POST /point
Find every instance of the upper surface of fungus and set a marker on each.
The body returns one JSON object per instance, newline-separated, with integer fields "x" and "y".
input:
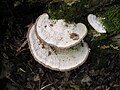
{"x": 58, "y": 33}
{"x": 57, "y": 59}
{"x": 96, "y": 23}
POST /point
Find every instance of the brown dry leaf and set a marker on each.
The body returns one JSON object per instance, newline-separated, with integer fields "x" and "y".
{"x": 107, "y": 88}
{"x": 105, "y": 46}
{"x": 114, "y": 47}
{"x": 36, "y": 77}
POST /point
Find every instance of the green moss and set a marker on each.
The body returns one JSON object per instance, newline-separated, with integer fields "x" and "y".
{"x": 112, "y": 20}
{"x": 73, "y": 13}
{"x": 111, "y": 23}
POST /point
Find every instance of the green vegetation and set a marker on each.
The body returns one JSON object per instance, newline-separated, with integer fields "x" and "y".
{"x": 112, "y": 20}
{"x": 111, "y": 23}
{"x": 60, "y": 10}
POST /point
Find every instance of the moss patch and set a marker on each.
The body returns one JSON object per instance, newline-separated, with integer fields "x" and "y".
{"x": 73, "y": 13}
{"x": 111, "y": 23}
{"x": 112, "y": 20}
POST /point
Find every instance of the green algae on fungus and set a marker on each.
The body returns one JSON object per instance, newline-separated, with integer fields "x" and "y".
{"x": 112, "y": 20}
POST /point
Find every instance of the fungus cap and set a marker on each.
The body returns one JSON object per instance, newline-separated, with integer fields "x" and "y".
{"x": 58, "y": 33}
{"x": 56, "y": 59}
{"x": 96, "y": 23}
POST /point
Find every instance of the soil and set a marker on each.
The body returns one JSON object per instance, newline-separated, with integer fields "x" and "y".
{"x": 19, "y": 70}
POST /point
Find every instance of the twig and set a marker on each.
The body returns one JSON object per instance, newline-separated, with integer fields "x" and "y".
{"x": 21, "y": 51}
{"x": 16, "y": 84}
{"x": 23, "y": 45}
{"x": 12, "y": 81}
{"x": 42, "y": 84}
{"x": 46, "y": 86}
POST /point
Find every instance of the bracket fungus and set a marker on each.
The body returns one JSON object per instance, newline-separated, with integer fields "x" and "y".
{"x": 96, "y": 23}
{"x": 56, "y": 58}
{"x": 58, "y": 33}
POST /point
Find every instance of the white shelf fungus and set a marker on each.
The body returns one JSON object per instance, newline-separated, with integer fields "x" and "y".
{"x": 96, "y": 23}
{"x": 56, "y": 58}
{"x": 58, "y": 33}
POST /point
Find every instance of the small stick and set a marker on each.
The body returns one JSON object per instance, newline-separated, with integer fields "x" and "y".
{"x": 46, "y": 86}
{"x": 23, "y": 45}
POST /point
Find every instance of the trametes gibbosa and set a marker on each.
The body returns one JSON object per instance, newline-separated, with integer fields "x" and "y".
{"x": 58, "y": 45}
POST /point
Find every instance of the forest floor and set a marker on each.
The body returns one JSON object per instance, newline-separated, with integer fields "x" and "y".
{"x": 19, "y": 70}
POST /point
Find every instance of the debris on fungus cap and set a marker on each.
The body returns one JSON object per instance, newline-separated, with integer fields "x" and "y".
{"x": 96, "y": 23}
{"x": 56, "y": 59}
{"x": 58, "y": 33}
